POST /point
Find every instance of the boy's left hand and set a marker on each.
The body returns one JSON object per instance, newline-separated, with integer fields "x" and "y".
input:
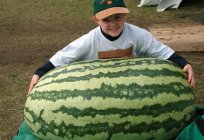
{"x": 189, "y": 70}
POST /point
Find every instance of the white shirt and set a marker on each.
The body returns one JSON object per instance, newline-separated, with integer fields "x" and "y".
{"x": 88, "y": 46}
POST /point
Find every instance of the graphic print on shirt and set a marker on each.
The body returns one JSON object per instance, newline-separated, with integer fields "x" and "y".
{"x": 120, "y": 53}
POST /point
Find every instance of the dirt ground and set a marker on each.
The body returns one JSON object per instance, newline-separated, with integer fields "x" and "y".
{"x": 181, "y": 37}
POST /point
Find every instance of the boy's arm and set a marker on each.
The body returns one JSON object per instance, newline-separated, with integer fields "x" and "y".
{"x": 187, "y": 68}
{"x": 38, "y": 73}
{"x": 178, "y": 60}
{"x": 75, "y": 51}
{"x": 44, "y": 69}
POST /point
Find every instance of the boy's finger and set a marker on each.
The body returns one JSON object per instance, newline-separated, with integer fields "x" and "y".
{"x": 189, "y": 77}
{"x": 29, "y": 90}
{"x": 193, "y": 82}
{"x": 30, "y": 87}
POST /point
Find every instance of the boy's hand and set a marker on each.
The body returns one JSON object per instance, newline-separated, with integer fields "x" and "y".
{"x": 33, "y": 82}
{"x": 189, "y": 70}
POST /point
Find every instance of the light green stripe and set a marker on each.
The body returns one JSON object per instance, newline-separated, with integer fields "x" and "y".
{"x": 49, "y": 116}
{"x": 159, "y": 134}
{"x": 101, "y": 136}
{"x": 98, "y": 63}
{"x": 94, "y": 63}
{"x": 134, "y": 136}
{"x": 28, "y": 116}
{"x": 96, "y": 83}
{"x": 108, "y": 70}
{"x": 118, "y": 136}
{"x": 102, "y": 104}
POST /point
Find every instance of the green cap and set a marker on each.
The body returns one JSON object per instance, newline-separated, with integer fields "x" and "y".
{"x": 105, "y": 8}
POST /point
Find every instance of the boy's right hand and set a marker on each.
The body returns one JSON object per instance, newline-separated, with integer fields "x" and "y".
{"x": 33, "y": 82}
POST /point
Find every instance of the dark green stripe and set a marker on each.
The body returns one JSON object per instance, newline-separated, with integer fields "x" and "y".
{"x": 35, "y": 118}
{"x": 133, "y": 91}
{"x": 91, "y": 129}
{"x": 154, "y": 110}
{"x": 127, "y": 73}
{"x": 118, "y": 63}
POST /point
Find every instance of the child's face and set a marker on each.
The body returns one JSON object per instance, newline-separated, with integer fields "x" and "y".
{"x": 112, "y": 25}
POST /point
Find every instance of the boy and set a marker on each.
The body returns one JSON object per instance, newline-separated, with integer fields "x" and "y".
{"x": 113, "y": 38}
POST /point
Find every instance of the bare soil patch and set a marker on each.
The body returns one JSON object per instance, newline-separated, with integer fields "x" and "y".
{"x": 181, "y": 37}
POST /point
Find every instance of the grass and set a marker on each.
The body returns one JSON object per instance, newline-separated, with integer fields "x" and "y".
{"x": 31, "y": 31}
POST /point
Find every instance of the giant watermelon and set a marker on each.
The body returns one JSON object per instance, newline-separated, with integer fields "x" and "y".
{"x": 113, "y": 99}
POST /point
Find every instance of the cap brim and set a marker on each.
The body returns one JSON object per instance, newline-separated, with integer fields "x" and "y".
{"x": 111, "y": 11}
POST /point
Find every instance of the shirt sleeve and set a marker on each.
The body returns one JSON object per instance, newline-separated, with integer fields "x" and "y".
{"x": 44, "y": 69}
{"x": 178, "y": 60}
{"x": 75, "y": 51}
{"x": 149, "y": 46}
